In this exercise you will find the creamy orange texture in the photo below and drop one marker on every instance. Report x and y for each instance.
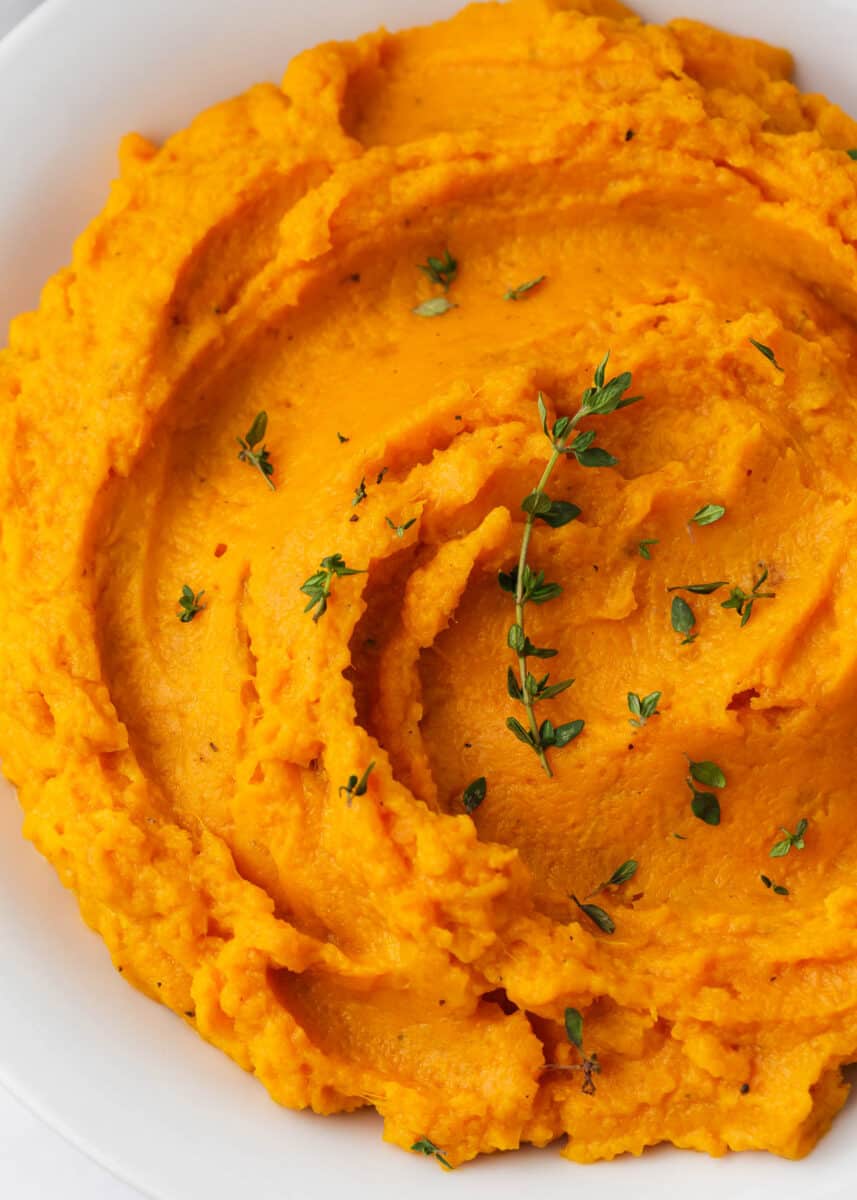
(681, 197)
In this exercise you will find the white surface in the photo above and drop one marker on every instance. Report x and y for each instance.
(118, 1075)
(35, 1162)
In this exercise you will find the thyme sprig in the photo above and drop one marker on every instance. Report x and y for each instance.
(260, 459)
(642, 707)
(705, 805)
(589, 1064)
(399, 531)
(426, 1146)
(357, 786)
(781, 848)
(531, 587)
(440, 270)
(743, 601)
(319, 584)
(189, 604)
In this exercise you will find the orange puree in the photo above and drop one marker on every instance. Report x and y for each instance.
(201, 784)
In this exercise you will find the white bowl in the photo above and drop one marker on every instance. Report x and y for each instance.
(119, 1076)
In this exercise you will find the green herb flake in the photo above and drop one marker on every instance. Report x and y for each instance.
(574, 1027)
(767, 352)
(441, 271)
(189, 604)
(699, 589)
(707, 773)
(705, 806)
(319, 584)
(474, 794)
(357, 785)
(516, 293)
(601, 918)
(258, 458)
(399, 531)
(425, 1146)
(683, 619)
(643, 547)
(782, 848)
(641, 708)
(743, 601)
(774, 887)
(342, 438)
(589, 1065)
(621, 875)
(436, 307)
(852, 153)
(708, 514)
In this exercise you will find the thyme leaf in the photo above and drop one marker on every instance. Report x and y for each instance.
(707, 773)
(767, 352)
(699, 589)
(516, 293)
(574, 1027)
(708, 514)
(435, 307)
(474, 794)
(621, 875)
(683, 619)
(601, 918)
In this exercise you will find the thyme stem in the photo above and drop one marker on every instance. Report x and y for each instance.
(559, 447)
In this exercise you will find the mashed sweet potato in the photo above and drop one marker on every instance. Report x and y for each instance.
(352, 935)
